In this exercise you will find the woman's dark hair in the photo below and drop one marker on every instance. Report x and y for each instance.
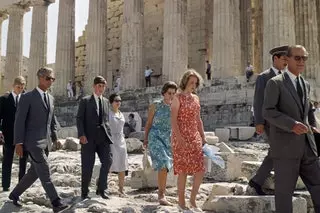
(169, 85)
(131, 115)
(112, 97)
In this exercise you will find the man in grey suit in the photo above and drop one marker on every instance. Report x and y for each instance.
(94, 134)
(293, 150)
(34, 124)
(279, 63)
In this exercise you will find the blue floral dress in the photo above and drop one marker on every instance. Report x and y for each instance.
(159, 137)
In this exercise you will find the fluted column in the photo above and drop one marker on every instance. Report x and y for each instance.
(226, 39)
(278, 26)
(306, 28)
(132, 44)
(246, 33)
(257, 35)
(3, 17)
(65, 52)
(96, 43)
(14, 57)
(38, 43)
(175, 40)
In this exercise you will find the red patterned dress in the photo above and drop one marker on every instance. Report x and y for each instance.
(188, 156)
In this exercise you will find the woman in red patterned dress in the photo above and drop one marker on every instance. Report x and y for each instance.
(188, 137)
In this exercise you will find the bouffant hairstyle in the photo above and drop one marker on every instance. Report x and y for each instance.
(169, 85)
(186, 76)
(112, 97)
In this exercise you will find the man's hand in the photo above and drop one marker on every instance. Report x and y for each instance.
(315, 130)
(19, 150)
(299, 128)
(83, 140)
(259, 129)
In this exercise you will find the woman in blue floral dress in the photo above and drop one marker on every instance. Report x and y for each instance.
(158, 135)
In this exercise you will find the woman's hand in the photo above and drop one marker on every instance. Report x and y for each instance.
(145, 143)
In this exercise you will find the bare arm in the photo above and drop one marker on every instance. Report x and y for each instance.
(200, 123)
(175, 105)
(151, 113)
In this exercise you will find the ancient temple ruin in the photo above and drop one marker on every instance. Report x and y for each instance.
(122, 36)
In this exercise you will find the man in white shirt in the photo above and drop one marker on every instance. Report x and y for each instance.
(147, 75)
(69, 89)
(249, 71)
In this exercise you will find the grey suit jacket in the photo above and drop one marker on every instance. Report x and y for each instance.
(34, 122)
(88, 119)
(282, 108)
(261, 83)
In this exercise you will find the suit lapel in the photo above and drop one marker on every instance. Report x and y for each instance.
(36, 92)
(11, 100)
(292, 90)
(305, 96)
(94, 104)
(271, 73)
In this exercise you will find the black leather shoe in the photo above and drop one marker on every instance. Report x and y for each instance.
(57, 206)
(6, 189)
(15, 200)
(257, 188)
(103, 194)
(85, 197)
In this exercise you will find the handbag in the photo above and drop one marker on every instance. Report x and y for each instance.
(147, 168)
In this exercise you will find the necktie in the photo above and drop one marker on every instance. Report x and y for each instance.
(100, 111)
(17, 100)
(45, 99)
(279, 72)
(299, 90)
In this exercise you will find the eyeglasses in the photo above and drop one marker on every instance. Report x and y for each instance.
(298, 57)
(48, 78)
(117, 101)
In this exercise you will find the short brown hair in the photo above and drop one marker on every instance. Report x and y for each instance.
(186, 76)
(169, 85)
(99, 80)
(44, 71)
(20, 80)
(296, 46)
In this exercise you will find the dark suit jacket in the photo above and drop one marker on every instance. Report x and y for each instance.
(7, 116)
(88, 119)
(35, 123)
(261, 84)
(282, 108)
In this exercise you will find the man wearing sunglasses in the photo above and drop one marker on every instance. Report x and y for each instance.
(293, 150)
(279, 64)
(35, 128)
(95, 137)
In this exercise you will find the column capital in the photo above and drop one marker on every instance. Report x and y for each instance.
(41, 2)
(18, 8)
(3, 15)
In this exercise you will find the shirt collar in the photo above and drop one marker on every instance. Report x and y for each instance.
(96, 97)
(14, 94)
(292, 76)
(275, 70)
(41, 91)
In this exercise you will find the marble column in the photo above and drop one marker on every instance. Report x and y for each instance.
(257, 35)
(3, 17)
(226, 39)
(96, 57)
(278, 26)
(65, 52)
(245, 33)
(131, 67)
(38, 43)
(306, 28)
(13, 66)
(175, 40)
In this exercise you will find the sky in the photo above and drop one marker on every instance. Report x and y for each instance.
(82, 7)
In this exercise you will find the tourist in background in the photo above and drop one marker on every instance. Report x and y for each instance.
(208, 71)
(8, 107)
(119, 147)
(157, 137)
(147, 76)
(188, 137)
(249, 71)
(69, 89)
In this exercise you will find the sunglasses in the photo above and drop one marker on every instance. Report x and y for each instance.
(299, 58)
(117, 101)
(48, 78)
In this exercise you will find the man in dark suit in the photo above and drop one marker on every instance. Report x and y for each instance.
(94, 134)
(279, 63)
(292, 146)
(8, 105)
(35, 123)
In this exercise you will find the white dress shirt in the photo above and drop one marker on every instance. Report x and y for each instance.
(96, 98)
(293, 79)
(15, 97)
(42, 97)
(275, 70)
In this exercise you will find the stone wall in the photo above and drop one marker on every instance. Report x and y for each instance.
(225, 102)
